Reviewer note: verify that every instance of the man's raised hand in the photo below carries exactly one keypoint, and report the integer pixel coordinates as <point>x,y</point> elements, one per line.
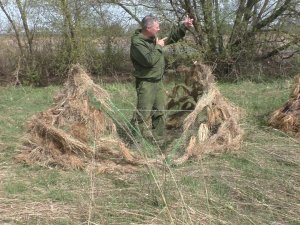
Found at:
<point>188,22</point>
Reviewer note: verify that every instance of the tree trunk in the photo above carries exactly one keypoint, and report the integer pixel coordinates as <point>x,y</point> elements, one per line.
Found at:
<point>207,6</point>
<point>28,33</point>
<point>13,24</point>
<point>219,28</point>
<point>68,30</point>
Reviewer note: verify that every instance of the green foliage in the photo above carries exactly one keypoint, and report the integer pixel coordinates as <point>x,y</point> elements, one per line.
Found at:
<point>12,187</point>
<point>52,178</point>
<point>219,188</point>
<point>182,53</point>
<point>192,183</point>
<point>62,196</point>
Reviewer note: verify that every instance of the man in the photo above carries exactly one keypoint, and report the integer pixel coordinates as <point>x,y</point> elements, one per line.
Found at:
<point>146,53</point>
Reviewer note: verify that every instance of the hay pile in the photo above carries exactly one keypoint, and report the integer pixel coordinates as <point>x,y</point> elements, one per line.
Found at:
<point>215,131</point>
<point>287,118</point>
<point>77,131</point>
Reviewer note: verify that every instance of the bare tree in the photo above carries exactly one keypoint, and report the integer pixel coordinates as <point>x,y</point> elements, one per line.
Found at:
<point>14,27</point>
<point>230,32</point>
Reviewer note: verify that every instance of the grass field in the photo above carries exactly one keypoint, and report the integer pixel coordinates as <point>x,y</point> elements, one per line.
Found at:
<point>258,185</point>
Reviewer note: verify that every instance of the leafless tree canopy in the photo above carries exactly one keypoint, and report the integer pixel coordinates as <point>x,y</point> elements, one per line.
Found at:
<point>231,34</point>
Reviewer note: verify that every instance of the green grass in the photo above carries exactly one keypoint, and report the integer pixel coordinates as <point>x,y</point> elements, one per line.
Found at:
<point>257,185</point>
<point>12,187</point>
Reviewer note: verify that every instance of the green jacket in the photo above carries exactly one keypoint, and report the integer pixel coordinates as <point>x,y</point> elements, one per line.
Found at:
<point>147,57</point>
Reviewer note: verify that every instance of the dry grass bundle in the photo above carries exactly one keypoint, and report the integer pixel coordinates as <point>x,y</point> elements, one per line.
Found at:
<point>75,131</point>
<point>218,131</point>
<point>183,98</point>
<point>287,118</point>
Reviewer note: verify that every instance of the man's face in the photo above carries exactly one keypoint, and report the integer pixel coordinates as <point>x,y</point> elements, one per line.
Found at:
<point>153,29</point>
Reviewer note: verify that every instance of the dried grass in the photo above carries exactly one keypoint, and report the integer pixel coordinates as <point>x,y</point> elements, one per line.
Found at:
<point>74,132</point>
<point>219,131</point>
<point>287,118</point>
<point>20,212</point>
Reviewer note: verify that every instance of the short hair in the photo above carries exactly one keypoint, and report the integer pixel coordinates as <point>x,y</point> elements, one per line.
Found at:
<point>148,21</point>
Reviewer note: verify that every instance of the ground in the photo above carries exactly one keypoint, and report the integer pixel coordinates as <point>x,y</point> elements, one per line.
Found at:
<point>257,185</point>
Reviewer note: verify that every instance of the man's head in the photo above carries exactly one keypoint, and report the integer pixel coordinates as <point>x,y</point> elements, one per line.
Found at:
<point>150,26</point>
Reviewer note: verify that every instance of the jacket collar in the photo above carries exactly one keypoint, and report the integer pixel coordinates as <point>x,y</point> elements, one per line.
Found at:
<point>139,33</point>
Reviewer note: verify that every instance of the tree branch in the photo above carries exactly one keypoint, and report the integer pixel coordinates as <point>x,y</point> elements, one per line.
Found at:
<point>28,34</point>
<point>278,50</point>
<point>129,12</point>
<point>273,16</point>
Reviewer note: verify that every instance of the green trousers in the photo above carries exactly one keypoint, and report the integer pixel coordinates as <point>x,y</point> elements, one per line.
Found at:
<point>150,108</point>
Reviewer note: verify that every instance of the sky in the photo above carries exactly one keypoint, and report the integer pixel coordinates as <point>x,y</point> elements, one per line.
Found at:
<point>116,13</point>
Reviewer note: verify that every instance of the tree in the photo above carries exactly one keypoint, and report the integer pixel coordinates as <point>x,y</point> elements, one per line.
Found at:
<point>228,33</point>
<point>14,26</point>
